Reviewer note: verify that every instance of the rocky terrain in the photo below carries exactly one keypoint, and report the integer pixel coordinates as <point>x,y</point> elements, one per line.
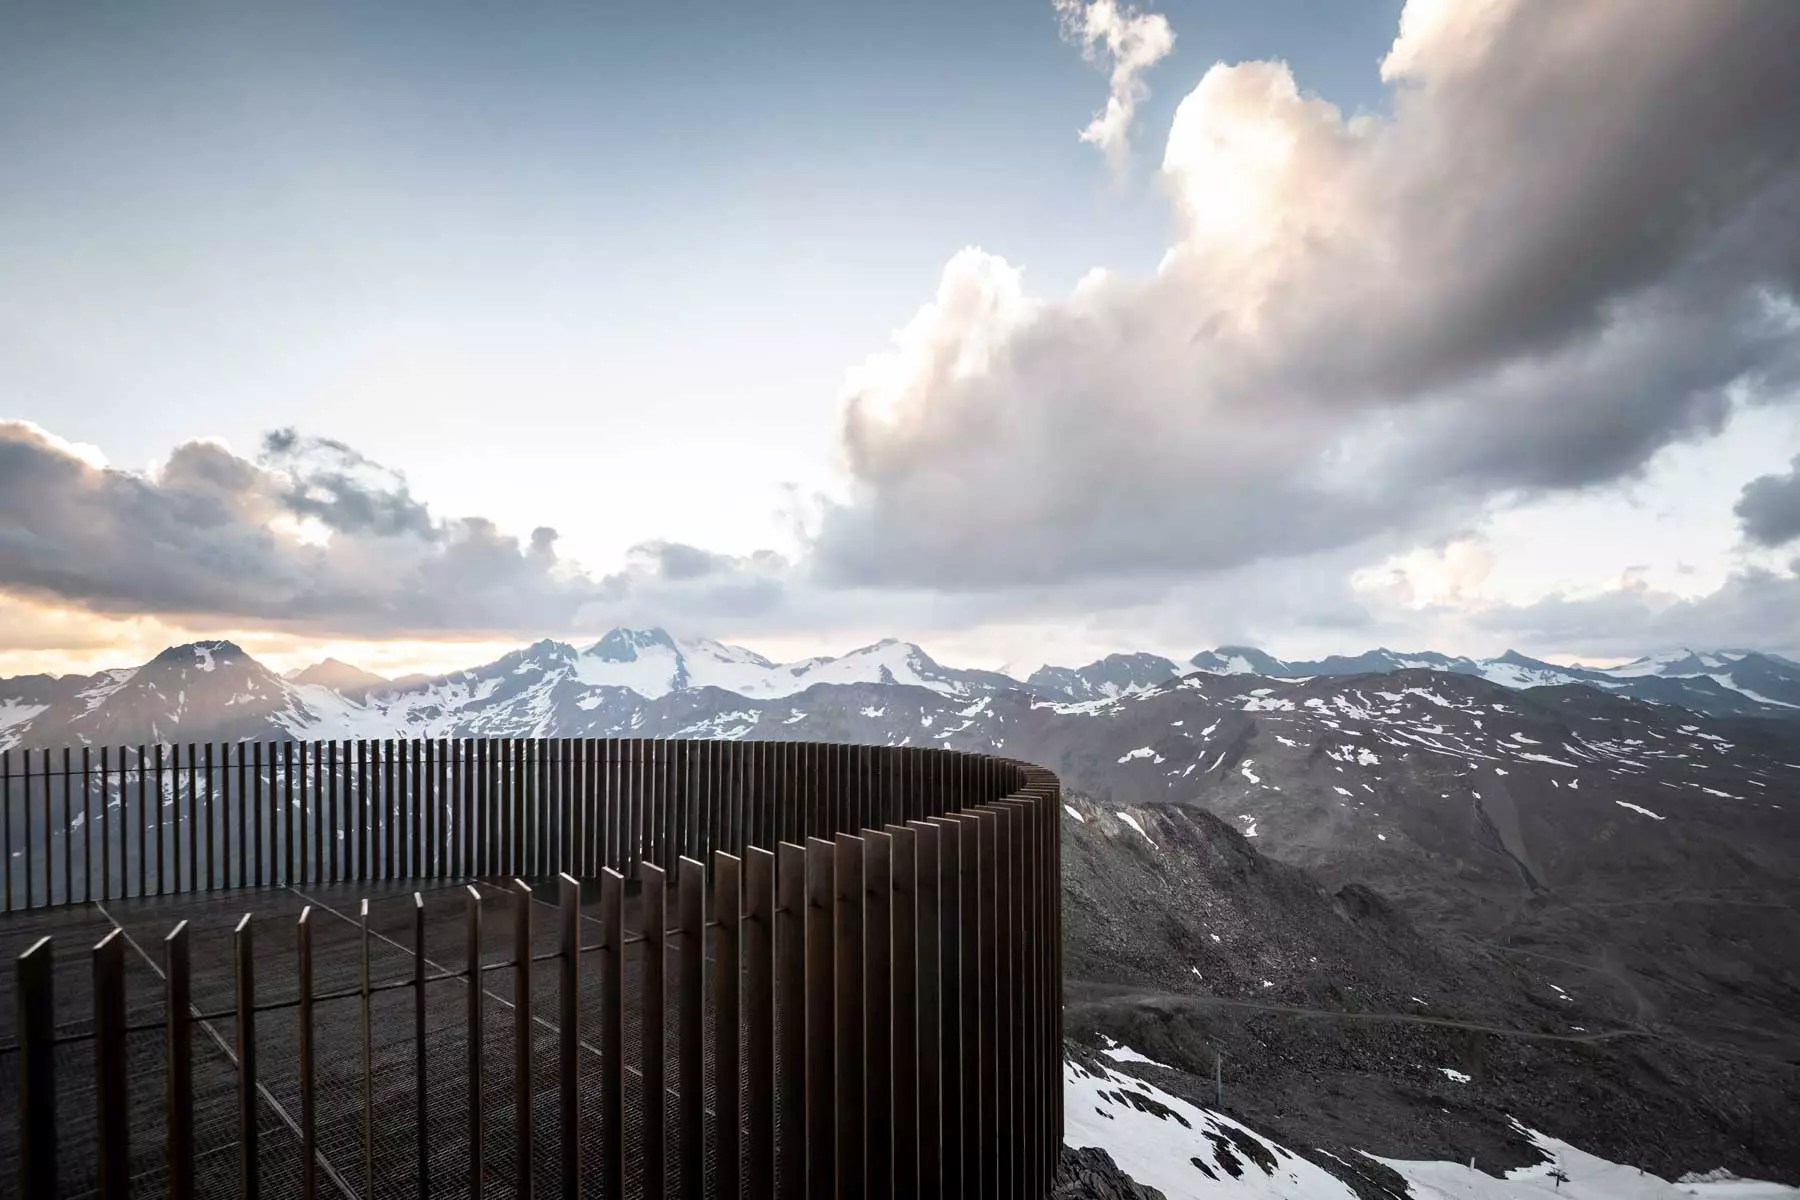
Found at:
<point>1411,907</point>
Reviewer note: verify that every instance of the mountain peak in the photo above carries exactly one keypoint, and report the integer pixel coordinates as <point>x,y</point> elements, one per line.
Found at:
<point>338,675</point>
<point>624,645</point>
<point>205,655</point>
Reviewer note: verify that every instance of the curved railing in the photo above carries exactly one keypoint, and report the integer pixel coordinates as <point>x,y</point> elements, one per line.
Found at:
<point>858,992</point>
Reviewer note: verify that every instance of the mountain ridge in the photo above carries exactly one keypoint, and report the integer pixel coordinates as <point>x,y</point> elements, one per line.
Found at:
<point>551,684</point>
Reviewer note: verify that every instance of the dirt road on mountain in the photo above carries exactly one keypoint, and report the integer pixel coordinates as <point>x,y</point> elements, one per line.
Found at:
<point>1102,996</point>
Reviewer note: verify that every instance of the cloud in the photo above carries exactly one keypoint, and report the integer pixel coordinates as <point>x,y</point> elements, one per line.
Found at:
<point>312,537</point>
<point>1133,42</point>
<point>1769,508</point>
<point>1568,246</point>
<point>1755,607</point>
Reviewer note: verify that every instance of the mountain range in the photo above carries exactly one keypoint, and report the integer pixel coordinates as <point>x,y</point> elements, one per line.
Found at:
<point>1415,899</point>
<point>210,690</point>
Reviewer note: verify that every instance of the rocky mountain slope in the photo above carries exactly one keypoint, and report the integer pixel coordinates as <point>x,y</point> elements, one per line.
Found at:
<point>1353,884</point>
<point>1726,683</point>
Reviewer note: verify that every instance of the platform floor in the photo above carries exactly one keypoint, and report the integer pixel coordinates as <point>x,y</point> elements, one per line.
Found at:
<point>384,1165</point>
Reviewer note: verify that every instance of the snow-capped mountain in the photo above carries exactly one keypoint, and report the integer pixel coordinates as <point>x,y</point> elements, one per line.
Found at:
<point>1114,675</point>
<point>338,676</point>
<point>1724,683</point>
<point>202,691</point>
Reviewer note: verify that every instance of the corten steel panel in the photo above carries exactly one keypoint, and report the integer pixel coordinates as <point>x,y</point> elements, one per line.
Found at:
<point>179,1070</point>
<point>361,785</point>
<point>499,806</point>
<point>758,935</point>
<point>907,1005</point>
<point>877,1026</point>
<point>522,816</point>
<point>605,798</point>
<point>1022,933</point>
<point>475,788</point>
<point>878,1023</point>
<point>927,838</point>
<point>245,954</point>
<point>690,1050</point>
<point>650,789</point>
<point>952,1053</point>
<point>1007,1018</point>
<point>612,1032</point>
<point>820,1037</point>
<point>334,823</point>
<point>989,967</point>
<point>568,1031</point>
<point>416,836</point>
<point>36,981</point>
<point>737,771</point>
<point>388,810</point>
<point>309,1119</point>
<point>791,977</point>
<point>68,889</point>
<point>852,1040</point>
<point>661,807</point>
<point>6,801</point>
<point>522,1089</point>
<point>472,1036</point>
<point>428,799</point>
<point>421,1076</point>
<point>654,903</point>
<point>287,814</point>
<point>975,1041</point>
<point>732,931</point>
<point>632,779</point>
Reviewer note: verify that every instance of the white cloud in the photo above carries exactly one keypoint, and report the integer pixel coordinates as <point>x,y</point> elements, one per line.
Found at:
<point>1554,258</point>
<point>1133,42</point>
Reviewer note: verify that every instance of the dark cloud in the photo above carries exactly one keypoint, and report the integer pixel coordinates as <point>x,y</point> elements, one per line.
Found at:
<point>340,487</point>
<point>1769,508</point>
<point>219,537</point>
<point>1570,245</point>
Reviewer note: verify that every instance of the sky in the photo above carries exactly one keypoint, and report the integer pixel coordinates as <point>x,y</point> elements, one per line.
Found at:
<point>1028,331</point>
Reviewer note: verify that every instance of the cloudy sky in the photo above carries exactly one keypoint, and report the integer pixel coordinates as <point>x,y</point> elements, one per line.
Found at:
<point>1027,330</point>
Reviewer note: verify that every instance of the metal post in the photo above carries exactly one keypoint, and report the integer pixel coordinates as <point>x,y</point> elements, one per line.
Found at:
<point>569,1032</point>
<point>421,1113</point>
<point>257,788</point>
<point>905,993</point>
<point>6,854</point>
<point>177,986</point>
<point>37,1069</point>
<point>522,1038</point>
<point>690,1051</point>
<point>612,1032</point>
<point>87,826</point>
<point>727,1017</point>
<point>246,1055</point>
<point>110,1094</point>
<point>368,1076</point>
<point>654,900</point>
<point>142,829</point>
<point>309,1150</point>
<point>820,1036</point>
<point>879,1111</point>
<point>927,908</point>
<point>852,1040</point>
<point>789,985</point>
<point>472,938</point>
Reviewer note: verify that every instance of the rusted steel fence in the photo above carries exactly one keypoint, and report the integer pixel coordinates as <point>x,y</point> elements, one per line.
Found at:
<point>629,968</point>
